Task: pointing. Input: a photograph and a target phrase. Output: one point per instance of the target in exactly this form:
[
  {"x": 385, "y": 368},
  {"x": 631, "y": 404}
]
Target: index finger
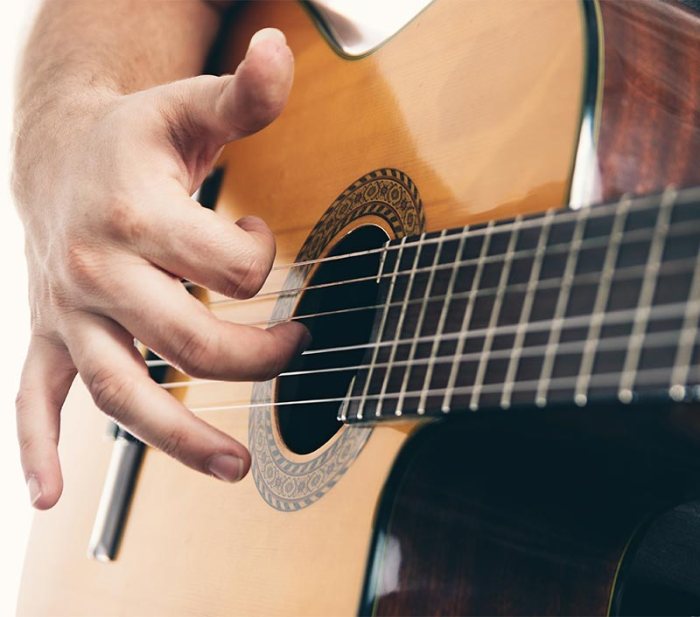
[{"x": 159, "y": 312}]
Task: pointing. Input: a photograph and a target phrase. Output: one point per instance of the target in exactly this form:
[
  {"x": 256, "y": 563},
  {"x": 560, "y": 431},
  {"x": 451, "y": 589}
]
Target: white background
[{"x": 16, "y": 514}]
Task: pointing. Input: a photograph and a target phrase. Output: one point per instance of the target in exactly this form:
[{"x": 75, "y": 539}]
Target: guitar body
[{"x": 476, "y": 107}]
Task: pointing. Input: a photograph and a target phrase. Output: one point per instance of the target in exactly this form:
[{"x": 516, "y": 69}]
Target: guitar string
[
  {"x": 602, "y": 381},
  {"x": 681, "y": 197},
  {"x": 672, "y": 311},
  {"x": 541, "y": 284},
  {"x": 563, "y": 216},
  {"x": 554, "y": 382},
  {"x": 616, "y": 343},
  {"x": 681, "y": 228},
  {"x": 172, "y": 385},
  {"x": 626, "y": 273}
]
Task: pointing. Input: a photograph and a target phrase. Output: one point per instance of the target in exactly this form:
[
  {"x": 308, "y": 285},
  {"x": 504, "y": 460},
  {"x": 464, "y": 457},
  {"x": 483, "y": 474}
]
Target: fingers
[
  {"x": 181, "y": 330},
  {"x": 258, "y": 92},
  {"x": 118, "y": 380},
  {"x": 160, "y": 313},
  {"x": 232, "y": 106},
  {"x": 202, "y": 114},
  {"x": 46, "y": 378},
  {"x": 201, "y": 246}
]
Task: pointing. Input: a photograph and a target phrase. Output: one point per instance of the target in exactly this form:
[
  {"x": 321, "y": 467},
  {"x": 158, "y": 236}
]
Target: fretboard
[{"x": 561, "y": 307}]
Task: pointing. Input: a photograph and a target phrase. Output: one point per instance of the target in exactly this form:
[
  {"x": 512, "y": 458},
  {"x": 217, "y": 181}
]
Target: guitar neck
[{"x": 561, "y": 307}]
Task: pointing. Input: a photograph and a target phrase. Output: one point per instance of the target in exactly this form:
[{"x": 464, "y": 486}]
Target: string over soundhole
[{"x": 338, "y": 307}]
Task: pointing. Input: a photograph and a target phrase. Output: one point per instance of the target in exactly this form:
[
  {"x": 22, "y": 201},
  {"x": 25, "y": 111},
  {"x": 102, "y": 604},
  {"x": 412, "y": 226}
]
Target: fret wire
[
  {"x": 466, "y": 318},
  {"x": 685, "y": 195},
  {"x": 640, "y": 234},
  {"x": 493, "y": 319},
  {"x": 559, "y": 311},
  {"x": 646, "y": 295},
  {"x": 613, "y": 343},
  {"x": 419, "y": 323},
  {"x": 382, "y": 261},
  {"x": 397, "y": 332},
  {"x": 687, "y": 338},
  {"x": 563, "y": 215},
  {"x": 630, "y": 237},
  {"x": 601, "y": 301},
  {"x": 388, "y": 247},
  {"x": 626, "y": 273},
  {"x": 440, "y": 326},
  {"x": 611, "y": 379},
  {"x": 525, "y": 312},
  {"x": 375, "y": 351}
]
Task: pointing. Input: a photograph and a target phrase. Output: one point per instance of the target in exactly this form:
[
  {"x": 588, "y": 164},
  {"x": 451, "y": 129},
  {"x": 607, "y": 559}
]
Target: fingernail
[
  {"x": 226, "y": 467},
  {"x": 34, "y": 489},
  {"x": 305, "y": 341},
  {"x": 267, "y": 34}
]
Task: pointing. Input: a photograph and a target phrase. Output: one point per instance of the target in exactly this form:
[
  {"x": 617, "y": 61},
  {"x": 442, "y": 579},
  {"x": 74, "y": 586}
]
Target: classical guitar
[{"x": 485, "y": 216}]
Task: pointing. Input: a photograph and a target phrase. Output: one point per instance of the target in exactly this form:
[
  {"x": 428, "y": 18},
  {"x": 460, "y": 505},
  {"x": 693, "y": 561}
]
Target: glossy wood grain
[
  {"x": 460, "y": 101},
  {"x": 650, "y": 122},
  {"x": 527, "y": 513}
]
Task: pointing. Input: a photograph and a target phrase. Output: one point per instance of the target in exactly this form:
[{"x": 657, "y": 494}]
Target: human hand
[{"x": 103, "y": 185}]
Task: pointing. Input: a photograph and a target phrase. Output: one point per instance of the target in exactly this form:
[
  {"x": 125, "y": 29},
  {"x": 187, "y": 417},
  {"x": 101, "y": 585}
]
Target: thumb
[{"x": 218, "y": 110}]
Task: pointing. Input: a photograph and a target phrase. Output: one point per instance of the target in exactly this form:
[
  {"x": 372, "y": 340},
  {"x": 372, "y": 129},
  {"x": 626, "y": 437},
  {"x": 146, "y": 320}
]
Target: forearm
[
  {"x": 81, "y": 50},
  {"x": 125, "y": 45}
]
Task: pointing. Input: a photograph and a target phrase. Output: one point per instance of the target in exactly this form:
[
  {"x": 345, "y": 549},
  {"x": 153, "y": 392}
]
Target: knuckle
[
  {"x": 86, "y": 272},
  {"x": 258, "y": 106},
  {"x": 195, "y": 353},
  {"x": 126, "y": 223},
  {"x": 30, "y": 441},
  {"x": 274, "y": 360},
  {"x": 26, "y": 443},
  {"x": 249, "y": 280},
  {"x": 266, "y": 374},
  {"x": 183, "y": 127},
  {"x": 22, "y": 401},
  {"x": 110, "y": 393},
  {"x": 58, "y": 297},
  {"x": 81, "y": 262},
  {"x": 275, "y": 365},
  {"x": 172, "y": 443}
]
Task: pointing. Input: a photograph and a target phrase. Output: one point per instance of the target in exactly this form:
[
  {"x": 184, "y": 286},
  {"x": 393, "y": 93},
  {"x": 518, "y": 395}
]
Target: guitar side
[{"x": 532, "y": 513}]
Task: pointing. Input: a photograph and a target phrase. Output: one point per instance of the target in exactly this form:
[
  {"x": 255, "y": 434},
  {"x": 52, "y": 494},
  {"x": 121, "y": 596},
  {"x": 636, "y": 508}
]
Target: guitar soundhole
[{"x": 338, "y": 307}]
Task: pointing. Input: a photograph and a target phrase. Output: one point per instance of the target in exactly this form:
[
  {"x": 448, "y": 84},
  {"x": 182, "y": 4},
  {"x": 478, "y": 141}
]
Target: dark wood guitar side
[
  {"x": 650, "y": 113},
  {"x": 528, "y": 515}
]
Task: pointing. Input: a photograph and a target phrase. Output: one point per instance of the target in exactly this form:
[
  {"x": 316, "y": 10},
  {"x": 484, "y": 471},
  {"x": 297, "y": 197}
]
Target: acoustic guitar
[{"x": 500, "y": 398}]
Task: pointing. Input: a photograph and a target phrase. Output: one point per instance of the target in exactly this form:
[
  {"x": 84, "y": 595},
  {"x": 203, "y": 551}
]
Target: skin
[{"x": 114, "y": 130}]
